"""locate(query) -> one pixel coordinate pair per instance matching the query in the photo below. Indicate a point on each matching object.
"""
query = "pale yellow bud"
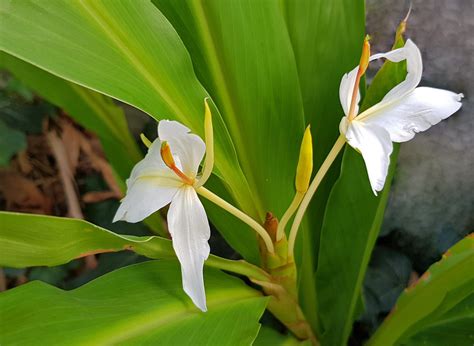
(305, 163)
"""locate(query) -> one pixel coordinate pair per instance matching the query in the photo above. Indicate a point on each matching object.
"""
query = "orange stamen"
(168, 159)
(363, 64)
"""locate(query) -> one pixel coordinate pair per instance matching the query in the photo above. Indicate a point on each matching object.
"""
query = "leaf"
(243, 56)
(90, 109)
(268, 336)
(34, 240)
(439, 308)
(124, 49)
(11, 142)
(139, 304)
(352, 221)
(326, 37)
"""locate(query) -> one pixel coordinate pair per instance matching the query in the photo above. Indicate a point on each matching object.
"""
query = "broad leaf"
(142, 304)
(243, 56)
(352, 221)
(35, 240)
(439, 308)
(326, 37)
(268, 336)
(125, 49)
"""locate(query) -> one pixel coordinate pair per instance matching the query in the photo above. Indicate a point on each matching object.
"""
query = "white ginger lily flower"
(403, 112)
(166, 175)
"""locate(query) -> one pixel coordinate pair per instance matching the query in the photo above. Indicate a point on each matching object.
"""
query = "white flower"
(403, 112)
(153, 184)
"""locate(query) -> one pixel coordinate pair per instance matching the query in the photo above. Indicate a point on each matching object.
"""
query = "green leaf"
(270, 337)
(352, 221)
(140, 304)
(439, 308)
(124, 49)
(243, 56)
(35, 240)
(11, 142)
(326, 37)
(90, 109)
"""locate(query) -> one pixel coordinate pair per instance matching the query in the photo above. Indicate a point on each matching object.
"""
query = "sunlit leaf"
(141, 304)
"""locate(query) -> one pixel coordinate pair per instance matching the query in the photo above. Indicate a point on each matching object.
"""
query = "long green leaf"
(352, 221)
(90, 109)
(326, 36)
(142, 304)
(439, 308)
(243, 56)
(36, 240)
(128, 50)
(28, 240)
(125, 49)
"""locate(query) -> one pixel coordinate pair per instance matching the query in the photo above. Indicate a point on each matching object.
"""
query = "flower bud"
(305, 162)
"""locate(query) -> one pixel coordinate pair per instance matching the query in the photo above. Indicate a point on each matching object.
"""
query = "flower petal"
(189, 228)
(415, 112)
(188, 147)
(412, 55)
(375, 146)
(150, 187)
(346, 89)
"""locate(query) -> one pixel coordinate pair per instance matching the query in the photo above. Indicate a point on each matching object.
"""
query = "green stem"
(238, 267)
(289, 213)
(311, 190)
(239, 214)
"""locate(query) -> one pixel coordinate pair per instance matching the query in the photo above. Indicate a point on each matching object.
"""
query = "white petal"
(189, 228)
(412, 55)
(415, 112)
(188, 147)
(375, 146)
(150, 187)
(346, 89)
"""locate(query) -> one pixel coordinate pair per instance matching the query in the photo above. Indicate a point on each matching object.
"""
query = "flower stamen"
(168, 159)
(363, 64)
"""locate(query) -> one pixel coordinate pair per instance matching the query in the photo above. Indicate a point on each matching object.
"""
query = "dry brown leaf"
(22, 194)
(98, 196)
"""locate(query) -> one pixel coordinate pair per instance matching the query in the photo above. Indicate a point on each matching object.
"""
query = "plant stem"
(338, 145)
(238, 267)
(289, 213)
(239, 214)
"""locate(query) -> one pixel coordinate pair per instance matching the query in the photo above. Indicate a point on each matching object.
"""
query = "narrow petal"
(188, 147)
(189, 228)
(150, 187)
(375, 146)
(415, 112)
(412, 55)
(346, 89)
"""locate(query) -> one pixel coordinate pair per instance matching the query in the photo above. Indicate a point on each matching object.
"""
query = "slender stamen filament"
(240, 215)
(182, 176)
